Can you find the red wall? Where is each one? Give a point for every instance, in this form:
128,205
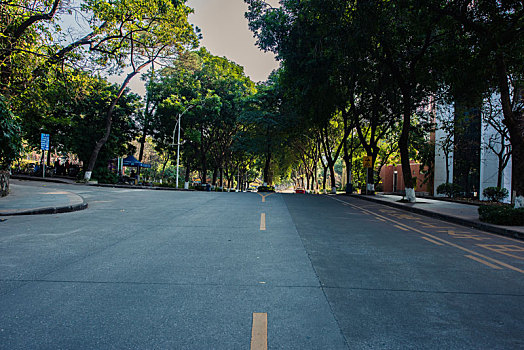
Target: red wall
387,175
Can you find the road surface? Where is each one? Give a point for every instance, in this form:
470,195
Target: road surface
144,269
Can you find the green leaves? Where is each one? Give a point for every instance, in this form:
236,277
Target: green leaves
10,136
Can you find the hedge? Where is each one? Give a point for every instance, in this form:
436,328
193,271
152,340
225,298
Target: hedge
501,215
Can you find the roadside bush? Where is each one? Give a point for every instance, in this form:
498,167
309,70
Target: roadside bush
495,194
165,184
266,189
501,215
104,176
449,189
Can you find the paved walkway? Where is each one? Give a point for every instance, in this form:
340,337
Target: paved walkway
464,214
28,200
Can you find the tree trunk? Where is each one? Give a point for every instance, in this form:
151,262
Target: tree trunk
332,177
221,178
188,173
403,145
347,161
324,180
446,154
515,123
215,177
315,179
164,167
266,169
109,122
307,181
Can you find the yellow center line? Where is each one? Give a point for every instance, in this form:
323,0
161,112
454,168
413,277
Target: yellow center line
264,196
483,262
400,227
263,222
438,238
259,331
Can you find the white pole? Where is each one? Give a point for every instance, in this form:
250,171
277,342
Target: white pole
178,149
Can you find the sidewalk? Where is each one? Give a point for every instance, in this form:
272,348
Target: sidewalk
29,200
462,214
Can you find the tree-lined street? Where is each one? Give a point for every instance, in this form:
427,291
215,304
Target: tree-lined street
162,269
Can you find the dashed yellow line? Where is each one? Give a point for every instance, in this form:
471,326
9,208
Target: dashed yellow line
259,331
437,238
263,222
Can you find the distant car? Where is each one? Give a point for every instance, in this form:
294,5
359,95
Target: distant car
300,190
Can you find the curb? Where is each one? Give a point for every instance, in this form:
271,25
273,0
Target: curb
135,187
50,210
464,222
41,179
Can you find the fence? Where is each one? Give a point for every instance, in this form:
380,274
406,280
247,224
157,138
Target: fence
4,183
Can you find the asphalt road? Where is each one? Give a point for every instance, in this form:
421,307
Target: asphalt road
146,269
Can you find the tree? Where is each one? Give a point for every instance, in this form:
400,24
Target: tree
210,89
263,124
495,29
10,138
498,142
124,33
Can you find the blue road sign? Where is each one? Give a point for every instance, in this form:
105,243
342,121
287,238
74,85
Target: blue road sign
44,142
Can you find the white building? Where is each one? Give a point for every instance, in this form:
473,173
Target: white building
488,159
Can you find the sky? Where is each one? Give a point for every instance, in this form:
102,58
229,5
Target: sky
225,33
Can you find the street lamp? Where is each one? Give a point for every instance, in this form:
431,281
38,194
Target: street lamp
178,143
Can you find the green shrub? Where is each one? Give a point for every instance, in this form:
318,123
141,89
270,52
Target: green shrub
495,194
104,176
266,189
449,189
165,184
501,215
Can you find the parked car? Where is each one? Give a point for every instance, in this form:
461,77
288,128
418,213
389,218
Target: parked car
300,190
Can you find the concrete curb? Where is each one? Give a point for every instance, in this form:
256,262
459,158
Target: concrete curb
50,210
136,187
41,179
464,222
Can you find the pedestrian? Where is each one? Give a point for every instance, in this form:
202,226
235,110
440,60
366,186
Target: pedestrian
67,165
57,166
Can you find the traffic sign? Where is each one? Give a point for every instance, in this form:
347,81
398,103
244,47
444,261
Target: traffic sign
366,161
44,142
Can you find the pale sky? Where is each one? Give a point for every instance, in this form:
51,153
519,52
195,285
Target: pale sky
225,33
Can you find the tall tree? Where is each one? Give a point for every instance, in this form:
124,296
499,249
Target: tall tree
495,29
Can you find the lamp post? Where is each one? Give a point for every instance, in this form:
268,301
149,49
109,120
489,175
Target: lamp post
178,143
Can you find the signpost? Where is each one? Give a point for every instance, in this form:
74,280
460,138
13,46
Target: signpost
44,146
